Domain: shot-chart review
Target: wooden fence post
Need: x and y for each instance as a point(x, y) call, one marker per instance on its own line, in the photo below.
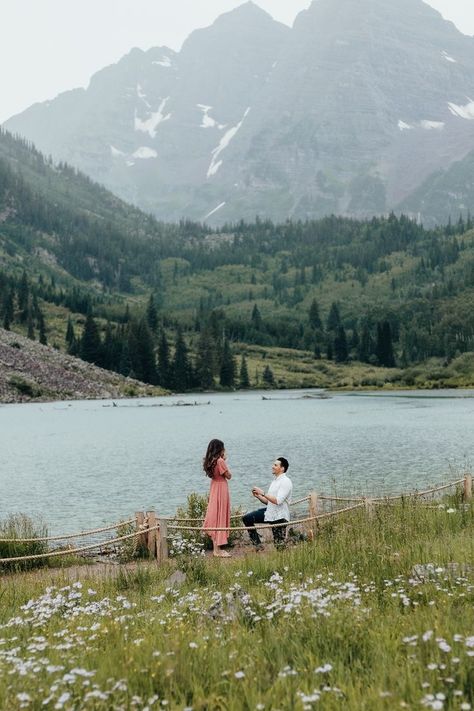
point(313, 526)
point(369, 507)
point(162, 540)
point(152, 538)
point(467, 492)
point(140, 522)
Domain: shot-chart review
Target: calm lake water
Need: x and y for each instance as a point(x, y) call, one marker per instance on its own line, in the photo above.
point(83, 464)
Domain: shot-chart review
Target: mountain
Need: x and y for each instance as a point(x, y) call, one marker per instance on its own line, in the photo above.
point(349, 112)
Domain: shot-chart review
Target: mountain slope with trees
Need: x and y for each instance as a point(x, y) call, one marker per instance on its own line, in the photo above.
point(185, 306)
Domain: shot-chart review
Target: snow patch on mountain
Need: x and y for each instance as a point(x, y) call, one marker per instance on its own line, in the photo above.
point(223, 143)
point(465, 112)
point(404, 126)
point(115, 152)
point(165, 61)
point(150, 124)
point(208, 121)
point(144, 152)
point(214, 210)
point(448, 58)
point(432, 125)
point(141, 95)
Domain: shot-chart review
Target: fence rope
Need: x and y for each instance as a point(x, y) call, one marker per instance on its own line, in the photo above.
point(73, 551)
point(361, 501)
point(327, 497)
point(233, 517)
point(233, 529)
point(67, 535)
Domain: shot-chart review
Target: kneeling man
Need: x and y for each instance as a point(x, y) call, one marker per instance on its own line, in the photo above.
point(276, 501)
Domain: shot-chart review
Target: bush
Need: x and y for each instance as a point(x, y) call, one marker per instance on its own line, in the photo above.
point(19, 526)
point(131, 548)
point(25, 387)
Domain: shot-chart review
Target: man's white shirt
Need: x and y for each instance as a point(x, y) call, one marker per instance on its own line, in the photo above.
point(281, 488)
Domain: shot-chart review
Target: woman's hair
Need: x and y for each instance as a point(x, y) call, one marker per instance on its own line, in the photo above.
point(214, 451)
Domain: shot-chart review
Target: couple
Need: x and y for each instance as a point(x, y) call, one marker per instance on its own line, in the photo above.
point(276, 501)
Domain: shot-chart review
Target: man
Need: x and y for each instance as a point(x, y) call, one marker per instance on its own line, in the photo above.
point(277, 501)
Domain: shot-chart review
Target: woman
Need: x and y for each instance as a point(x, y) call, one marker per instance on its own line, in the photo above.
point(218, 508)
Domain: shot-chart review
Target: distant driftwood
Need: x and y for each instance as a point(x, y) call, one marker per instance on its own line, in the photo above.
point(305, 396)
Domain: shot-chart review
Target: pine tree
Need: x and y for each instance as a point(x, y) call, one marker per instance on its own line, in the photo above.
point(384, 349)
point(388, 345)
point(228, 368)
point(23, 297)
point(334, 318)
point(70, 335)
point(313, 315)
point(164, 369)
point(205, 359)
point(42, 329)
point(9, 310)
point(268, 377)
point(340, 346)
point(182, 372)
point(256, 318)
point(30, 326)
point(244, 380)
point(152, 314)
point(91, 346)
point(365, 345)
point(141, 351)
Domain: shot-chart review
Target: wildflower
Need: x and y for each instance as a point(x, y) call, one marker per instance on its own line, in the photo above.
point(62, 700)
point(193, 645)
point(239, 675)
point(23, 697)
point(325, 669)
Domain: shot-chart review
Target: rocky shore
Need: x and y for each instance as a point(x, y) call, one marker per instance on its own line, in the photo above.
point(31, 372)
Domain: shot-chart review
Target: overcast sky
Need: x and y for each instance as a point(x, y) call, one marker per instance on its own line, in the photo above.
point(49, 46)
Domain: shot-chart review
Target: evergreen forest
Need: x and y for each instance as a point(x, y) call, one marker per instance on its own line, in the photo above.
point(188, 307)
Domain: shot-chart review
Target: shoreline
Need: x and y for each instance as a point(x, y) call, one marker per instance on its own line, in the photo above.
point(324, 393)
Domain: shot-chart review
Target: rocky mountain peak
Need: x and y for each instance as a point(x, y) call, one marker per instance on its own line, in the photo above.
point(348, 112)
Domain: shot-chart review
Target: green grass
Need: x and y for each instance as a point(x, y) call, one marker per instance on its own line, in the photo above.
point(251, 633)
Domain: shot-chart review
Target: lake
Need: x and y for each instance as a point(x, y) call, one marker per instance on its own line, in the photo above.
point(85, 464)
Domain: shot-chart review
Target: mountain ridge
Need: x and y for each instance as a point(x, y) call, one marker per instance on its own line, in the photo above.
point(349, 112)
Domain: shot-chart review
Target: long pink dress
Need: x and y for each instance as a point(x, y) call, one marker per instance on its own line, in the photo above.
point(218, 508)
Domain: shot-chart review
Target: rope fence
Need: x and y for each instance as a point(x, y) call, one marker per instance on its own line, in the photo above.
point(152, 530)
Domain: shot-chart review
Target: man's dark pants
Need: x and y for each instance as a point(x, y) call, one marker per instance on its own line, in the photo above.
point(258, 516)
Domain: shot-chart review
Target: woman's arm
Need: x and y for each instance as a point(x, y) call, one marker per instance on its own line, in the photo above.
point(227, 474)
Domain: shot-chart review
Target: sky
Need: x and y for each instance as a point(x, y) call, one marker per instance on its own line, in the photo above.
point(49, 46)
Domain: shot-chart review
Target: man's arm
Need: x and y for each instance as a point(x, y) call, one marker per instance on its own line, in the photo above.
point(283, 493)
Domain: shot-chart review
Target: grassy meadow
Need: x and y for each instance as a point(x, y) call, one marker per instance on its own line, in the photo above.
point(377, 613)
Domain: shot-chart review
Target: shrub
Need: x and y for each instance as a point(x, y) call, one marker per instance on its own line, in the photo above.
point(25, 387)
point(19, 526)
point(131, 548)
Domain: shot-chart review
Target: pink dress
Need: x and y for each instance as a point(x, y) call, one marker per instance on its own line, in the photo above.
point(218, 508)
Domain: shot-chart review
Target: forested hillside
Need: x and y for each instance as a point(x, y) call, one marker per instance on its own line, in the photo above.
point(174, 304)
